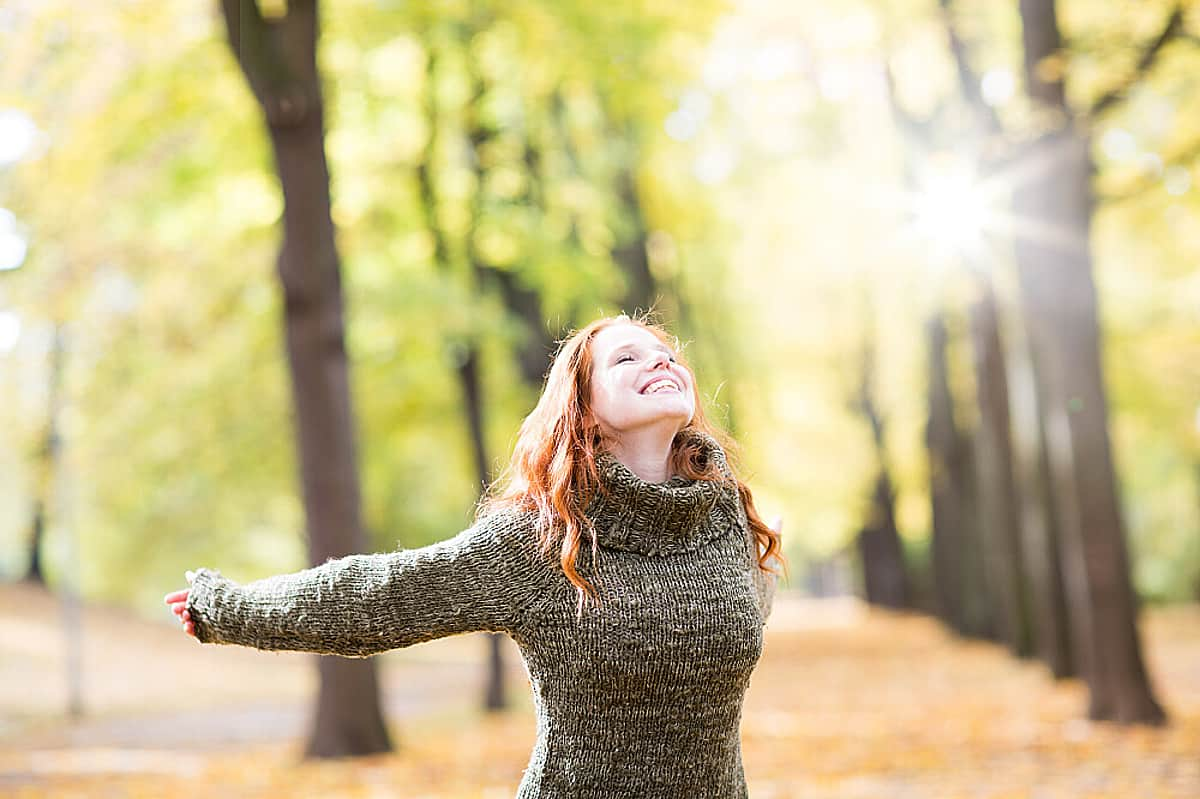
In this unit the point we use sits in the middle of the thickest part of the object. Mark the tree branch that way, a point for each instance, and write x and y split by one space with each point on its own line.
246 27
277 57
1172 30
1042 45
915 131
917 134
968 79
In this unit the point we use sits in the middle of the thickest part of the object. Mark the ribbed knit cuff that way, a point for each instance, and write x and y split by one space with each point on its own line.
202 603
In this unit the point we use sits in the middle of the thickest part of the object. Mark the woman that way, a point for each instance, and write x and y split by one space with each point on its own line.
620 553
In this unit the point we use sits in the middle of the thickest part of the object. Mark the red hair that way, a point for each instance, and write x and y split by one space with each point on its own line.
553 468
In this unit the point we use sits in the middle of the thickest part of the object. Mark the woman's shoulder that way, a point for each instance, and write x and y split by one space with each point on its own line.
511 526
511 518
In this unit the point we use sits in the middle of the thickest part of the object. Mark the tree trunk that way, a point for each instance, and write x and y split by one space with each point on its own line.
47 460
885 579
945 481
631 254
979 615
468 377
480 136
37 534
279 60
1196 587
1059 299
996 490
1039 530
1059 303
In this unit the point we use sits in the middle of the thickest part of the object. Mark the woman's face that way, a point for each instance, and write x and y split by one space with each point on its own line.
637 383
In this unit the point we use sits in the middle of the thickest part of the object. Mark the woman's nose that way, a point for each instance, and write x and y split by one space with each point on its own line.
659 359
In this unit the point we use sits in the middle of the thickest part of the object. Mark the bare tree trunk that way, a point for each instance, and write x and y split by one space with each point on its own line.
47 459
1039 529
947 492
494 698
641 292
465 350
885 576
979 615
1196 587
1038 533
278 57
480 135
1059 300
37 534
997 493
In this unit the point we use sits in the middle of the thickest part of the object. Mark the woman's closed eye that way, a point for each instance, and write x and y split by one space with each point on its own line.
627 357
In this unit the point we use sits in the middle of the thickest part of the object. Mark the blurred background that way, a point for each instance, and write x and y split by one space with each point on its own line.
273 290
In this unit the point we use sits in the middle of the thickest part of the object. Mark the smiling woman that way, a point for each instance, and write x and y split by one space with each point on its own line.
641 396
619 551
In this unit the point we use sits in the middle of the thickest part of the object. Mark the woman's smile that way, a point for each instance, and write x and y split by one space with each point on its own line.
660 384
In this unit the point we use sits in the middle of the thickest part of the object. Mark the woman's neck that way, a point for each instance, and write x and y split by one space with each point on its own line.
646 453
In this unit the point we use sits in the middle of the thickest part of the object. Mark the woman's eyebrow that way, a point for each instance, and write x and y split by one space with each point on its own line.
630 345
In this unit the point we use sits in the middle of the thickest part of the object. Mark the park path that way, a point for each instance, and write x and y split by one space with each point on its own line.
146 684
847 703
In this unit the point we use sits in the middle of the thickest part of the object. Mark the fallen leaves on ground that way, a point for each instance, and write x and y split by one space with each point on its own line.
847 703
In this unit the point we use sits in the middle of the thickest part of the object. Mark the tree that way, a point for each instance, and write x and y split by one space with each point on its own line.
885 577
278 58
997 508
956 552
1014 490
1058 298
980 553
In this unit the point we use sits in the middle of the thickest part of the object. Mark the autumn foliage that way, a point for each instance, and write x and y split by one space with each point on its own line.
846 703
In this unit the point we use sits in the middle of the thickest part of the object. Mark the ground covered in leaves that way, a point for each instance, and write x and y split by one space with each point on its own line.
847 703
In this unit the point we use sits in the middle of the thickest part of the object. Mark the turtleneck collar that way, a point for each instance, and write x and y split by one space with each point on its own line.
679 515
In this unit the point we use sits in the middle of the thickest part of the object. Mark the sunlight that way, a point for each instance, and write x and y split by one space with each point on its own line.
950 209
998 86
18 134
10 330
12 244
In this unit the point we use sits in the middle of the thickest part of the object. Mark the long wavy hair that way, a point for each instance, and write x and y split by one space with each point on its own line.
553 468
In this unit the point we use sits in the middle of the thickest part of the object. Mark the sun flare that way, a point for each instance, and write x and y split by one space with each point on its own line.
950 209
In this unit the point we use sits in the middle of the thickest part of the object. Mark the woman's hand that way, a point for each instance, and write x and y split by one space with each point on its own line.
178 603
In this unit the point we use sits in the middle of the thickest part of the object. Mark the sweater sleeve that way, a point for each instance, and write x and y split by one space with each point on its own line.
765 584
485 578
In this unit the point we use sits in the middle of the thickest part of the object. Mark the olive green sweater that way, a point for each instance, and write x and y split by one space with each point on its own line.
639 697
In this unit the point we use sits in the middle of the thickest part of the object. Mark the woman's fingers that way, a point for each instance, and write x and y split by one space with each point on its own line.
177 596
777 525
178 602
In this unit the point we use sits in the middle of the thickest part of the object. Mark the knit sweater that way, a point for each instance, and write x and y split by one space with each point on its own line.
639 697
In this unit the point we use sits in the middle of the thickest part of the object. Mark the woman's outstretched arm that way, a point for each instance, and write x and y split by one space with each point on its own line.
485 578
